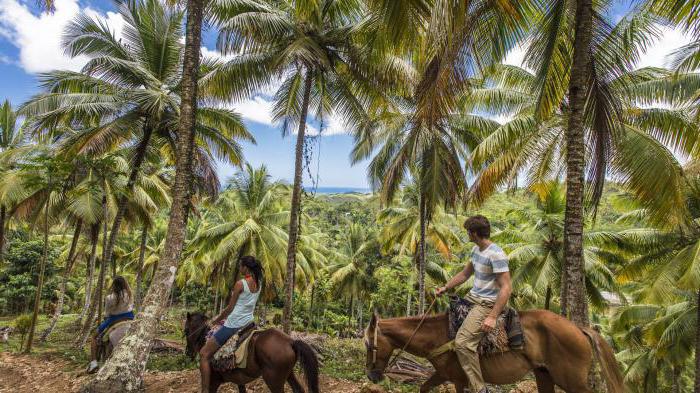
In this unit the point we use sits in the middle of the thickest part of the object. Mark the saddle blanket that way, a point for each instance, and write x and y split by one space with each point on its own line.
506 336
234 352
120 327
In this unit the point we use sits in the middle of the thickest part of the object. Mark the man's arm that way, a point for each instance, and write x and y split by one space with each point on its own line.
235 292
459 279
505 288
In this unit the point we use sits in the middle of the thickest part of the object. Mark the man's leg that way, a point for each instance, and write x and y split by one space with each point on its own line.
466 344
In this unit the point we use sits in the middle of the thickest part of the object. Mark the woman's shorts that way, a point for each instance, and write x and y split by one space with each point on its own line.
223 334
113 318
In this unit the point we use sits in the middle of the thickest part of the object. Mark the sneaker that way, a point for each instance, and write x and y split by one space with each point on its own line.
92 367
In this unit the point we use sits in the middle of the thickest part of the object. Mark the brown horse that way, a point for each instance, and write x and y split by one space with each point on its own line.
271 354
556 350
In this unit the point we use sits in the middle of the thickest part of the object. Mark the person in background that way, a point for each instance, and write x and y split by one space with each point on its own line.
490 294
119 305
237 314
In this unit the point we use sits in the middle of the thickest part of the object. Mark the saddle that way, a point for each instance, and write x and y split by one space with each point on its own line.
104 336
506 336
234 352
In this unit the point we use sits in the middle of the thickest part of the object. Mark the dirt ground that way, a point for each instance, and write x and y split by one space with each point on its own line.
52 374
43 374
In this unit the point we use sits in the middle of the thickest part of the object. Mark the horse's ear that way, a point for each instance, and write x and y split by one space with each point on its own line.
188 315
374 319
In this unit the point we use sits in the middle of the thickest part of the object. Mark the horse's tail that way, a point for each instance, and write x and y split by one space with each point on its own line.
606 358
309 363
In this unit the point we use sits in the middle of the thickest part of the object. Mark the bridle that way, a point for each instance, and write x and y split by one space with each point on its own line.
374 348
198 331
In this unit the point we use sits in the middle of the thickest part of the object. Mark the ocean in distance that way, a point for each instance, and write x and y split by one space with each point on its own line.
340 190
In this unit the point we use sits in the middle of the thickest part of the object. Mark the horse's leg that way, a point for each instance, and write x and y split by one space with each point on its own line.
273 380
241 389
294 383
544 381
459 388
432 382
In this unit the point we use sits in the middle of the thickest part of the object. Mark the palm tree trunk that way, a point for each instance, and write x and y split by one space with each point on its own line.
547 297
408 304
139 156
139 272
40 284
97 298
676 379
3 216
576 301
103 263
94 238
421 258
296 207
697 346
64 282
123 372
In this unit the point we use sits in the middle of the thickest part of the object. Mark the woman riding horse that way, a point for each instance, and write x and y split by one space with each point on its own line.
118 306
237 314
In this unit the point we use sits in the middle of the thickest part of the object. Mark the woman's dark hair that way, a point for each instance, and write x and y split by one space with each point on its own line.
119 286
254 266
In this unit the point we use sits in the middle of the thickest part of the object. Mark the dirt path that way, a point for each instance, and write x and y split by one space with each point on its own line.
50 374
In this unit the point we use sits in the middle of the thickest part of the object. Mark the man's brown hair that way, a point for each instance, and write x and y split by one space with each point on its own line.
479 225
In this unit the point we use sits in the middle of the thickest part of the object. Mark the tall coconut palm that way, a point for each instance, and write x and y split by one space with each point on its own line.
42 175
132 86
614 132
126 366
312 46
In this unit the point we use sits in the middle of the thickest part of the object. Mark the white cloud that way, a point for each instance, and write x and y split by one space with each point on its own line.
38 37
516 56
657 55
256 109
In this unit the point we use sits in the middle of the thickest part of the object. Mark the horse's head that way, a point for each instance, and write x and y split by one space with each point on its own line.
196 330
379 350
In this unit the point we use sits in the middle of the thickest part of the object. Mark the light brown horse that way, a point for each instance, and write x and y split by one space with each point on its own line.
556 350
271 354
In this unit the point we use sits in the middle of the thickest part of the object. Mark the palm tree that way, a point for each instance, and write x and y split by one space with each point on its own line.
134 89
312 45
42 176
657 341
615 126
352 272
11 137
406 230
536 255
250 218
126 366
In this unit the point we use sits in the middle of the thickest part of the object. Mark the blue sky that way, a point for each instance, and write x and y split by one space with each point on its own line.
30 43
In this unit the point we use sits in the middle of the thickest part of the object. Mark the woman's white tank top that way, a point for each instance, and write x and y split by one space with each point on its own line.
242 313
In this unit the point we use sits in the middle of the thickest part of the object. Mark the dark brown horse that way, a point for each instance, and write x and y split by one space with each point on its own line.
556 350
271 354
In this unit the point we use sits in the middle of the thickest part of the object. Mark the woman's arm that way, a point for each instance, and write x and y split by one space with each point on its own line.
109 304
235 292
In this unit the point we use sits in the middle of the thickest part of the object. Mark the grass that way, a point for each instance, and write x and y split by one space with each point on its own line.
342 358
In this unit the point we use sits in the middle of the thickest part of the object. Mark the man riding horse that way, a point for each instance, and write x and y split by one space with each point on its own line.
490 293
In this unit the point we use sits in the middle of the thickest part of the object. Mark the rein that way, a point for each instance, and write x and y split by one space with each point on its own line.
396 356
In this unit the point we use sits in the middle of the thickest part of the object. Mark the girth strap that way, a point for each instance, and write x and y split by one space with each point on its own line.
442 349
